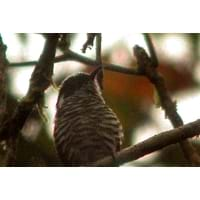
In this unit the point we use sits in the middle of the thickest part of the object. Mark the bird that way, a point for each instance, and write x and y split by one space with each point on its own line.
85 128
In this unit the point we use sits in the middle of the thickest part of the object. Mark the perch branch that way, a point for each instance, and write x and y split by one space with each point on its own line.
146 67
39 82
152 144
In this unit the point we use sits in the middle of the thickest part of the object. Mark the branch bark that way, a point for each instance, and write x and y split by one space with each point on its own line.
39 82
151 48
152 144
100 76
3 66
98 49
147 68
72 56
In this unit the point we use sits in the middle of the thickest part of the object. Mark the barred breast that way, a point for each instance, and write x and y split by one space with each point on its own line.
86 130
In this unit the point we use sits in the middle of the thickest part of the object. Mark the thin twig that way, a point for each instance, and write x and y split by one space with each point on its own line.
99 59
89 42
98 48
151 48
23 64
152 144
146 66
72 56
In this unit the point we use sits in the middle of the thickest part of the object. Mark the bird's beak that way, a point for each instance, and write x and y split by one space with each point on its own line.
95 72
97 75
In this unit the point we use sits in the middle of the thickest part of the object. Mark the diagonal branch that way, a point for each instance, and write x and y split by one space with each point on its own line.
39 82
151 48
146 67
152 144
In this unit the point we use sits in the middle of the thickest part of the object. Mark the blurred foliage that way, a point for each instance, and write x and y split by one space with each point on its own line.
131 97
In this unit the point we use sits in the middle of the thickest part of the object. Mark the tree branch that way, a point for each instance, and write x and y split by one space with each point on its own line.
39 82
98 48
152 144
146 67
72 56
99 59
151 48
89 42
3 66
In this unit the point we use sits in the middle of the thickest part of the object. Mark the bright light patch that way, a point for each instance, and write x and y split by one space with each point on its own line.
188 107
51 108
130 40
108 40
20 80
175 46
66 68
135 39
78 43
14 49
147 132
122 46
34 46
122 53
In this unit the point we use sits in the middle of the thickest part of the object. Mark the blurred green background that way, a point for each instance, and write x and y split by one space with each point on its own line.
131 97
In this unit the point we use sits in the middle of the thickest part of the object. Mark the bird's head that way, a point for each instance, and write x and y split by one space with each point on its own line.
81 82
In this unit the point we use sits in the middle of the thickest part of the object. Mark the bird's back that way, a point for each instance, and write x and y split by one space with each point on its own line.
86 130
